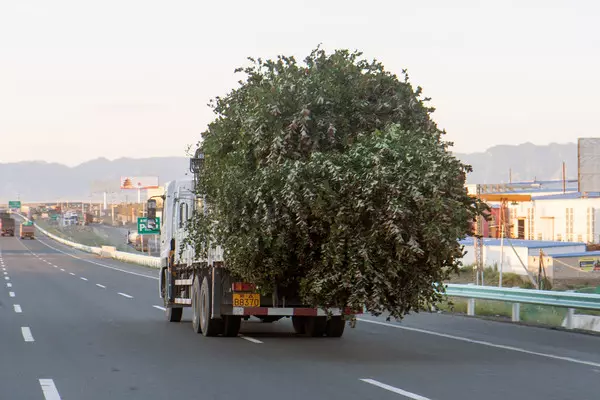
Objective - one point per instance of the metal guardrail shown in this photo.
(153, 262)
(569, 300)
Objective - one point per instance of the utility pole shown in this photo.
(478, 243)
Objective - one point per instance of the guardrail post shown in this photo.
(570, 318)
(516, 312)
(471, 307)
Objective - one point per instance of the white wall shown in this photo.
(493, 254)
(584, 223)
(550, 219)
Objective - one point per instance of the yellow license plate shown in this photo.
(246, 300)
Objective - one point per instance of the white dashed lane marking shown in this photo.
(17, 308)
(100, 286)
(250, 339)
(395, 389)
(27, 336)
(125, 295)
(49, 389)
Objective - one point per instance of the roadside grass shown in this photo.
(531, 313)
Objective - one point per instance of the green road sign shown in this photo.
(14, 204)
(54, 217)
(148, 226)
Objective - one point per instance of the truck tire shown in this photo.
(315, 326)
(335, 327)
(196, 306)
(299, 324)
(231, 325)
(210, 327)
(173, 314)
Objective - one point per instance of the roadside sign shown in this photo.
(14, 204)
(148, 226)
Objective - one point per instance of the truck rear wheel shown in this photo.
(315, 326)
(299, 324)
(231, 325)
(210, 327)
(335, 327)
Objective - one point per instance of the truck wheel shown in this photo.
(335, 327)
(174, 314)
(210, 327)
(315, 326)
(231, 325)
(299, 325)
(196, 305)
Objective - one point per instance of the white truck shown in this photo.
(218, 301)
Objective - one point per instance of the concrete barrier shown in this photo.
(108, 251)
(582, 321)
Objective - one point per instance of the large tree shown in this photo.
(331, 175)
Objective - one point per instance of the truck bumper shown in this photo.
(292, 311)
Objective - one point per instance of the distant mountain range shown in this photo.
(525, 162)
(41, 181)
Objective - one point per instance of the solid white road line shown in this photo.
(250, 339)
(49, 389)
(17, 308)
(82, 278)
(8, 284)
(11, 294)
(125, 295)
(100, 286)
(481, 342)
(160, 308)
(99, 264)
(27, 334)
(395, 390)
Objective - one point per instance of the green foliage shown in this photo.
(331, 178)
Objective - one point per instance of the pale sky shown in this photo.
(131, 78)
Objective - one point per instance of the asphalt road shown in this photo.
(73, 326)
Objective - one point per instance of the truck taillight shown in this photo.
(242, 287)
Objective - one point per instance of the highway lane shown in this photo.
(95, 343)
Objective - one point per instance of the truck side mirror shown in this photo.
(151, 209)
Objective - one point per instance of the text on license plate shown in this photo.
(246, 300)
